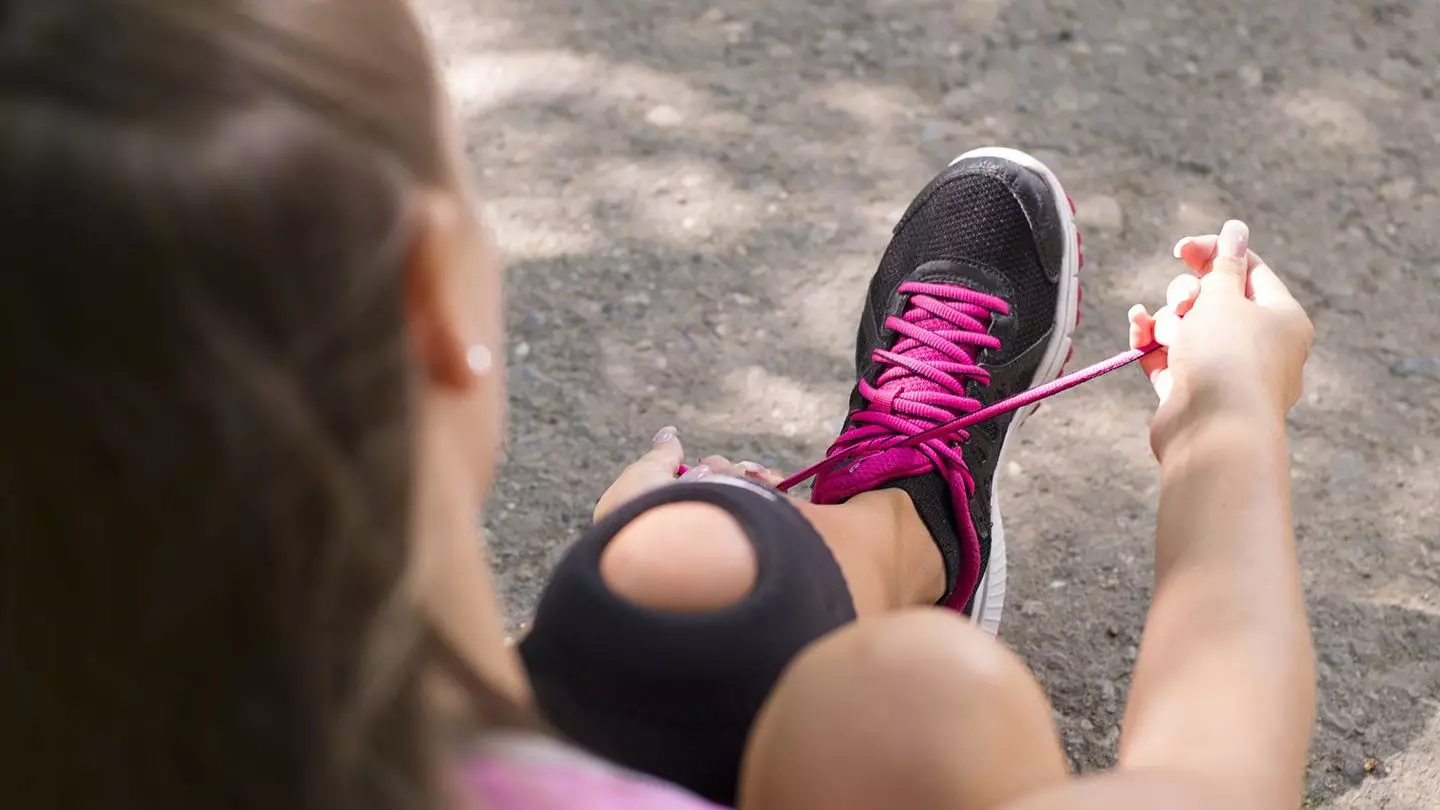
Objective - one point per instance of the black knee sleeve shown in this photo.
(674, 695)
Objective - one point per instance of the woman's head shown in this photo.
(240, 300)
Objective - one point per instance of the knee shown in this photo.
(908, 684)
(919, 709)
(922, 653)
(684, 557)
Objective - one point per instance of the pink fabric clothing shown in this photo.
(533, 773)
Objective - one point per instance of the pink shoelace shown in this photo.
(919, 399)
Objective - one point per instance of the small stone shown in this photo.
(1376, 767)
(1032, 607)
(1346, 467)
(1353, 770)
(522, 351)
(779, 50)
(1057, 584)
(1100, 212)
(1251, 76)
(712, 15)
(1416, 367)
(664, 115)
(1399, 189)
(1014, 470)
(1108, 690)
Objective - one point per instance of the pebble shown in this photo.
(1416, 367)
(1346, 467)
(1251, 76)
(1100, 212)
(1353, 771)
(664, 115)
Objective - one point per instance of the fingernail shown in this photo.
(666, 434)
(1234, 240)
(750, 468)
(696, 473)
(1180, 246)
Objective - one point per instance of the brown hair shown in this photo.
(206, 418)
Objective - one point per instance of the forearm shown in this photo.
(1224, 685)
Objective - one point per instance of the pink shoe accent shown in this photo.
(941, 333)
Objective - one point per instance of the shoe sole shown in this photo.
(989, 603)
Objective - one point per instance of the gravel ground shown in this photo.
(692, 197)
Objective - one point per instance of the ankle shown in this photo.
(918, 566)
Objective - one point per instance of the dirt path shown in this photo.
(693, 195)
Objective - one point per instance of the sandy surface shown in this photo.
(692, 197)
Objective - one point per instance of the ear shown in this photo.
(437, 319)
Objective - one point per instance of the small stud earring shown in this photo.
(479, 359)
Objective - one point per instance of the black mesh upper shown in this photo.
(969, 214)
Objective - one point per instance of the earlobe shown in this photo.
(479, 359)
(437, 323)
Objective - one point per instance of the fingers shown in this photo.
(719, 465)
(711, 465)
(1181, 294)
(760, 473)
(1230, 268)
(1268, 289)
(1142, 327)
(1167, 326)
(1196, 252)
(654, 469)
(665, 454)
(1156, 364)
(1265, 285)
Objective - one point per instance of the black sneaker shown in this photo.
(975, 300)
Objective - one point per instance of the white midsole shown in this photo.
(990, 596)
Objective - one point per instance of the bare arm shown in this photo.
(1225, 683)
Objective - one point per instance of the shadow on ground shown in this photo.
(693, 195)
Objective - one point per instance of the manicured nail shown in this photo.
(750, 468)
(696, 473)
(666, 434)
(1180, 246)
(1234, 240)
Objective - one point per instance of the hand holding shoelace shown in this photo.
(1233, 336)
(663, 464)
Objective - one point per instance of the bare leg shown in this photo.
(911, 709)
(694, 558)
(919, 709)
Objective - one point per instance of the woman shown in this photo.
(253, 399)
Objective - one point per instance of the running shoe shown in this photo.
(975, 300)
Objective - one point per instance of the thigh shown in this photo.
(675, 695)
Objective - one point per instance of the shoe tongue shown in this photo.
(845, 481)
